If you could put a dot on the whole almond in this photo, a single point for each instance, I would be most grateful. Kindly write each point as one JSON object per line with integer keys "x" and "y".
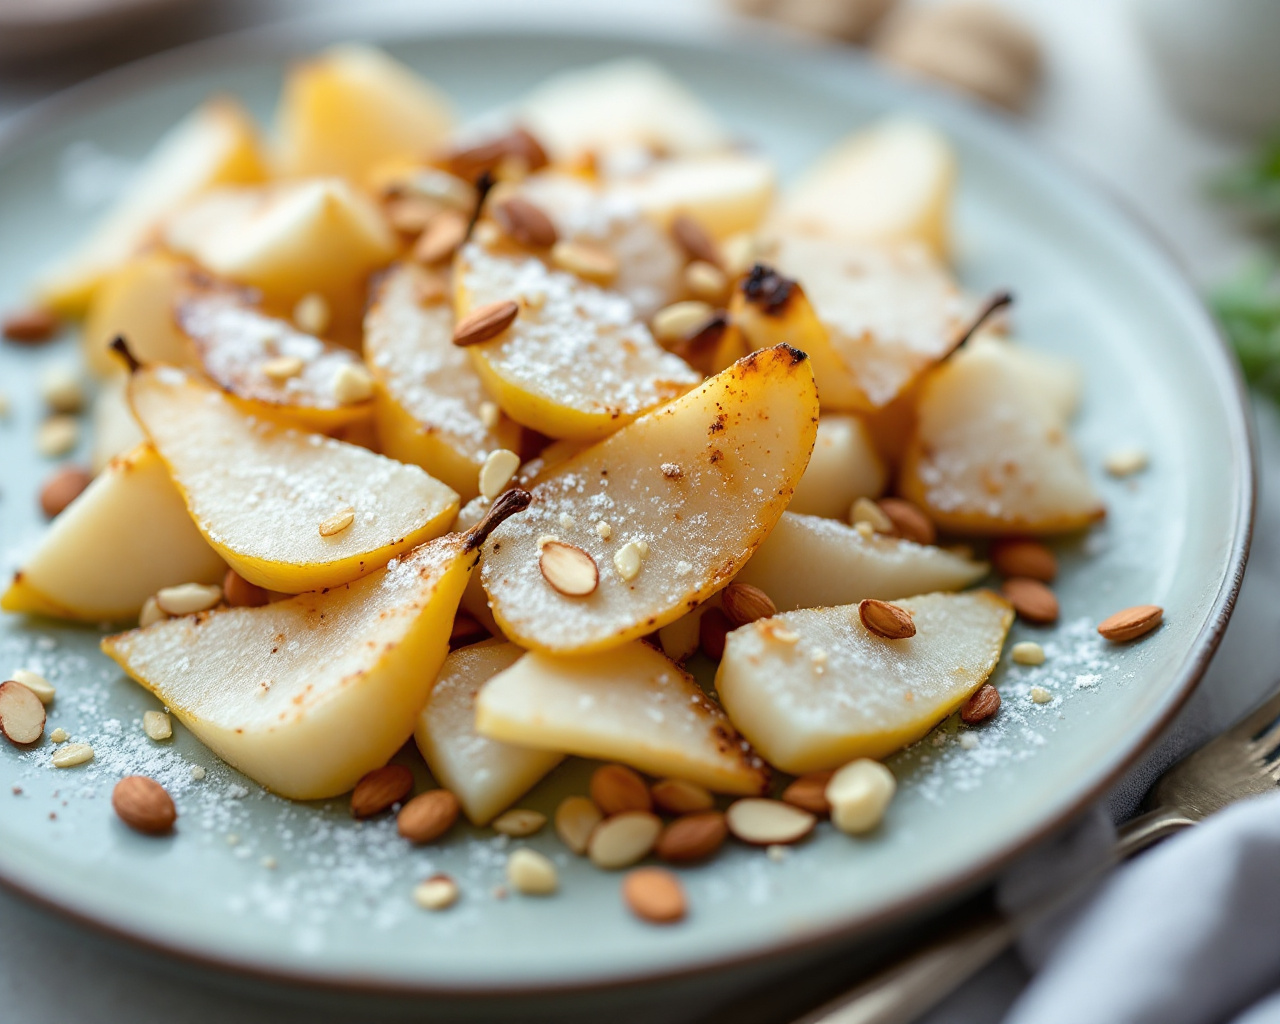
{"x": 379, "y": 789}
{"x": 679, "y": 796}
{"x": 763, "y": 822}
{"x": 713, "y": 627}
{"x": 693, "y": 238}
{"x": 466, "y": 630}
{"x": 62, "y": 488}
{"x": 693, "y": 837}
{"x": 1018, "y": 556}
{"x": 744, "y": 603}
{"x": 30, "y": 325}
{"x": 984, "y": 703}
{"x": 620, "y": 841}
{"x": 427, "y": 816}
{"x": 1031, "y": 599}
{"x": 570, "y": 570}
{"x": 810, "y": 793}
{"x": 654, "y": 895}
{"x": 144, "y": 805}
{"x": 21, "y": 714}
{"x": 886, "y": 620}
{"x": 518, "y": 145}
{"x": 485, "y": 323}
{"x": 615, "y": 788}
{"x": 240, "y": 593}
{"x": 1131, "y": 623}
{"x": 909, "y": 520}
{"x": 526, "y": 223}
{"x": 443, "y": 234}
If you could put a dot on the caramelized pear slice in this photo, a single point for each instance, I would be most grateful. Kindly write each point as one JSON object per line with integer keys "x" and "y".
{"x": 991, "y": 453}
{"x": 429, "y": 403}
{"x": 487, "y": 776}
{"x": 814, "y": 689}
{"x": 631, "y": 705}
{"x": 810, "y": 562}
{"x": 136, "y": 302}
{"x": 260, "y": 492}
{"x": 670, "y": 508}
{"x": 844, "y": 467}
{"x": 307, "y": 694}
{"x": 576, "y": 363}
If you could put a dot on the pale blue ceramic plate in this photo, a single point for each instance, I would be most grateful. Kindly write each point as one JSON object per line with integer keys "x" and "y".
{"x": 335, "y": 908}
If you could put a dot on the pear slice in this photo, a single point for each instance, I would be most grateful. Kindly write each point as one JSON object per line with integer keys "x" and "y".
{"x": 725, "y": 193}
{"x": 890, "y": 183}
{"x": 215, "y": 145}
{"x": 353, "y": 107}
{"x": 814, "y": 689}
{"x": 811, "y": 562}
{"x": 136, "y": 302}
{"x": 115, "y": 431}
{"x": 843, "y": 468}
{"x": 487, "y": 776}
{"x": 244, "y": 351}
{"x": 630, "y": 705}
{"x": 622, "y": 106}
{"x": 429, "y": 403}
{"x": 125, "y": 537}
{"x": 576, "y": 362}
{"x": 259, "y": 491}
{"x": 682, "y": 496}
{"x": 991, "y": 453}
{"x": 307, "y": 694}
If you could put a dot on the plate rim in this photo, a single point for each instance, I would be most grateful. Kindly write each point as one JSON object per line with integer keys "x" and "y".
{"x": 292, "y": 37}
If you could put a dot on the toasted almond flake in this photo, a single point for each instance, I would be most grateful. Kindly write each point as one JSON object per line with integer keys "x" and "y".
{"x": 381, "y": 789}
{"x": 311, "y": 313}
{"x": 628, "y": 559}
{"x": 706, "y": 281}
{"x": 654, "y": 895}
{"x": 1021, "y": 556}
{"x": 72, "y": 754}
{"x": 352, "y": 384}
{"x": 604, "y": 530}
{"x": 36, "y": 683}
{"x": 59, "y": 735}
{"x": 519, "y": 822}
{"x": 1125, "y": 462}
{"x": 859, "y": 794}
{"x": 585, "y": 259}
{"x": 1040, "y": 695}
{"x": 1027, "y": 652}
{"x": 909, "y": 520}
{"x": 680, "y": 321}
{"x": 865, "y": 510}
{"x": 531, "y": 873}
{"x": 57, "y": 436}
{"x": 282, "y": 368}
{"x": 570, "y": 570}
{"x": 761, "y": 822}
{"x": 1131, "y": 623}
{"x": 485, "y": 323}
{"x": 428, "y": 816}
{"x": 576, "y": 818}
{"x": 151, "y": 613}
{"x": 498, "y": 469}
{"x": 188, "y": 598}
{"x": 886, "y": 620}
{"x": 679, "y": 796}
{"x": 1032, "y": 600}
{"x": 61, "y": 389}
{"x": 438, "y": 892}
{"x": 156, "y": 725}
{"x": 339, "y": 521}
{"x": 443, "y": 235}
{"x": 489, "y": 415}
{"x": 692, "y": 837}
{"x": 624, "y": 839}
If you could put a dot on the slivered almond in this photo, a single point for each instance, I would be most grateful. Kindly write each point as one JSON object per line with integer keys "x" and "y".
{"x": 427, "y": 816}
{"x": 1031, "y": 599}
{"x": 21, "y": 714}
{"x": 282, "y": 368}
{"x": 526, "y": 223}
{"x": 519, "y": 822}
{"x": 693, "y": 238}
{"x": 680, "y": 321}
{"x": 570, "y": 570}
{"x": 679, "y": 796}
{"x": 446, "y": 231}
{"x": 188, "y": 598}
{"x": 1131, "y": 623}
{"x": 693, "y": 837}
{"x": 1018, "y": 556}
{"x": 379, "y": 789}
{"x": 144, "y": 805}
{"x": 713, "y": 627}
{"x": 499, "y": 467}
{"x": 982, "y": 705}
{"x": 744, "y": 603}
{"x": 763, "y": 822}
{"x": 809, "y": 792}
{"x": 615, "y": 788}
{"x": 585, "y": 259}
{"x": 886, "y": 620}
{"x": 909, "y": 521}
{"x": 337, "y": 522}
{"x": 576, "y": 818}
{"x": 654, "y": 895}
{"x": 485, "y": 322}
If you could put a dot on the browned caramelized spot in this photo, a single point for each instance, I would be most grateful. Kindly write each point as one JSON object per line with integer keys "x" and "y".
{"x": 765, "y": 287}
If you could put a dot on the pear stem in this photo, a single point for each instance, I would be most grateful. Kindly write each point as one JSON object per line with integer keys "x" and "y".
{"x": 997, "y": 302}
{"x": 504, "y": 506}
{"x": 484, "y": 185}
{"x": 121, "y": 348}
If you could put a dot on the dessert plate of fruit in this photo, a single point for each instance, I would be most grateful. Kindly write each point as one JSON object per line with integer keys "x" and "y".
{"x": 483, "y": 516}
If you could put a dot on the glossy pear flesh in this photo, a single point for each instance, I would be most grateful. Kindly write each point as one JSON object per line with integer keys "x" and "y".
{"x": 136, "y": 302}
{"x": 844, "y": 467}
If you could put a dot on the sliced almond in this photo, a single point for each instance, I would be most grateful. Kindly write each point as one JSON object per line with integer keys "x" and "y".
{"x": 654, "y": 895}
{"x": 586, "y": 260}
{"x": 1131, "y": 623}
{"x": 744, "y": 603}
{"x": 1031, "y": 599}
{"x": 620, "y": 841}
{"x": 615, "y": 788}
{"x": 73, "y": 755}
{"x": 439, "y": 892}
{"x": 681, "y": 321}
{"x": 763, "y": 822}
{"x": 485, "y": 322}
{"x": 570, "y": 570}
{"x": 21, "y": 714}
{"x": 157, "y": 725}
{"x": 519, "y": 822}
{"x": 427, "y": 816}
{"x": 446, "y": 231}
{"x": 810, "y": 793}
{"x": 188, "y": 598}
{"x": 526, "y": 223}
{"x": 1018, "y": 556}
{"x": 531, "y": 873}
{"x": 865, "y": 510}
{"x": 909, "y": 520}
{"x": 339, "y": 521}
{"x": 151, "y": 612}
{"x": 576, "y": 818}
{"x": 679, "y": 796}
{"x": 984, "y": 703}
{"x": 379, "y": 789}
{"x": 498, "y": 469}
{"x": 282, "y": 368}
{"x": 886, "y": 620}
{"x": 36, "y": 683}
{"x": 692, "y": 838}
{"x": 144, "y": 805}
{"x": 312, "y": 314}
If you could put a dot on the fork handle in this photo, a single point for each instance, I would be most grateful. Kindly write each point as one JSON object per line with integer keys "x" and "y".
{"x": 907, "y": 988}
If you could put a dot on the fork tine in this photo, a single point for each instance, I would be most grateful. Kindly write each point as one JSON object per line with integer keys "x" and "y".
{"x": 1255, "y": 725}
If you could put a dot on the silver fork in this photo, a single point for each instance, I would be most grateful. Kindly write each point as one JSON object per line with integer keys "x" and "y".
{"x": 1244, "y": 761}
